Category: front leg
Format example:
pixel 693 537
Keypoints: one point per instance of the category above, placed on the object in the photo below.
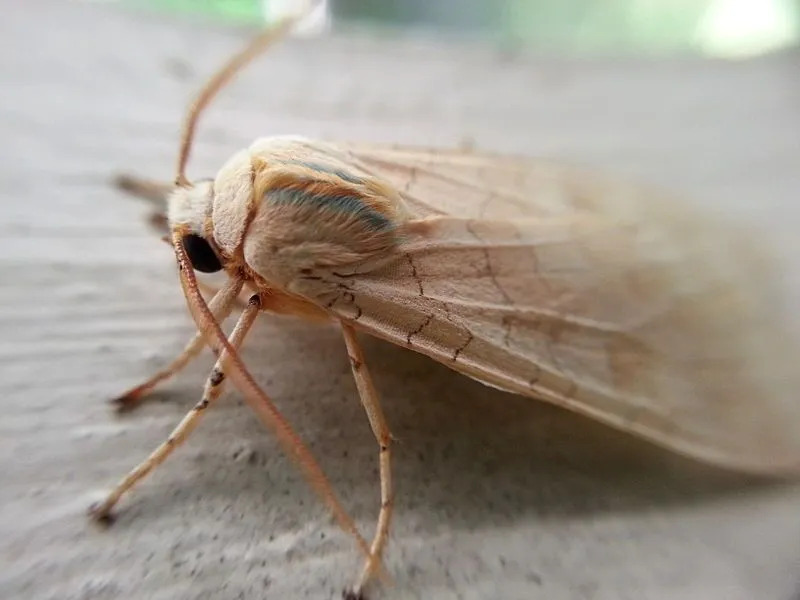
pixel 221 305
pixel 211 391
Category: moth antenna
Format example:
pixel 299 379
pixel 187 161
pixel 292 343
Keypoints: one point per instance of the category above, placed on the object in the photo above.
pixel 222 77
pixel 257 399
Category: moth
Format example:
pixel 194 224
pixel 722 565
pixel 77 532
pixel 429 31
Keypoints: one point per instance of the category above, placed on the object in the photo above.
pixel 598 295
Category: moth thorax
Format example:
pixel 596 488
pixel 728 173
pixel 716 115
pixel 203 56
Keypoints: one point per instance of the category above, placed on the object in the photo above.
pixel 190 207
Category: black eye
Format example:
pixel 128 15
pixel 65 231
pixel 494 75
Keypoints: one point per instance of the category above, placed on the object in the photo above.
pixel 200 254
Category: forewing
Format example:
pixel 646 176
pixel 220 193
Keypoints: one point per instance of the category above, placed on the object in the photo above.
pixel 595 295
pixel 483 186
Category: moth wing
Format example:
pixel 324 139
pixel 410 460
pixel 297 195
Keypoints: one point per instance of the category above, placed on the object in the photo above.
pixel 485 186
pixel 607 300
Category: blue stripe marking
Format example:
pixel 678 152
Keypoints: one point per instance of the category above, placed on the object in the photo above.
pixel 314 166
pixel 344 203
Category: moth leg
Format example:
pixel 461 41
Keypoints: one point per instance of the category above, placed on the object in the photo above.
pixel 210 290
pixel 377 421
pixel 134 396
pixel 211 391
pixel 221 305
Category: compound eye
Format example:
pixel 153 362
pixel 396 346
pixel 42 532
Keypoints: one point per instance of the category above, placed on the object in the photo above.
pixel 201 254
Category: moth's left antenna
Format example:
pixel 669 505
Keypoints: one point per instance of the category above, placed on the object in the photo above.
pixel 218 81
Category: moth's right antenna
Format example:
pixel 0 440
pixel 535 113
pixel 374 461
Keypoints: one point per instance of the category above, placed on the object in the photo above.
pixel 220 79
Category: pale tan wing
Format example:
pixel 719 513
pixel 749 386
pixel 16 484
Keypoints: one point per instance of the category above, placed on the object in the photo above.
pixel 622 307
pixel 484 186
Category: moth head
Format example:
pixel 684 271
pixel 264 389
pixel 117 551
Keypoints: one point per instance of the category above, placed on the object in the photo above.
pixel 189 213
pixel 192 203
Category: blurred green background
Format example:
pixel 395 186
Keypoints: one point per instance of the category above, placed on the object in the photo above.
pixel 728 28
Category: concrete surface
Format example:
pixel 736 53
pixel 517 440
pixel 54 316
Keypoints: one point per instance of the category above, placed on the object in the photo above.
pixel 497 497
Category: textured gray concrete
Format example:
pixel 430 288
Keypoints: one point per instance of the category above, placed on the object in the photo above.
pixel 497 497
